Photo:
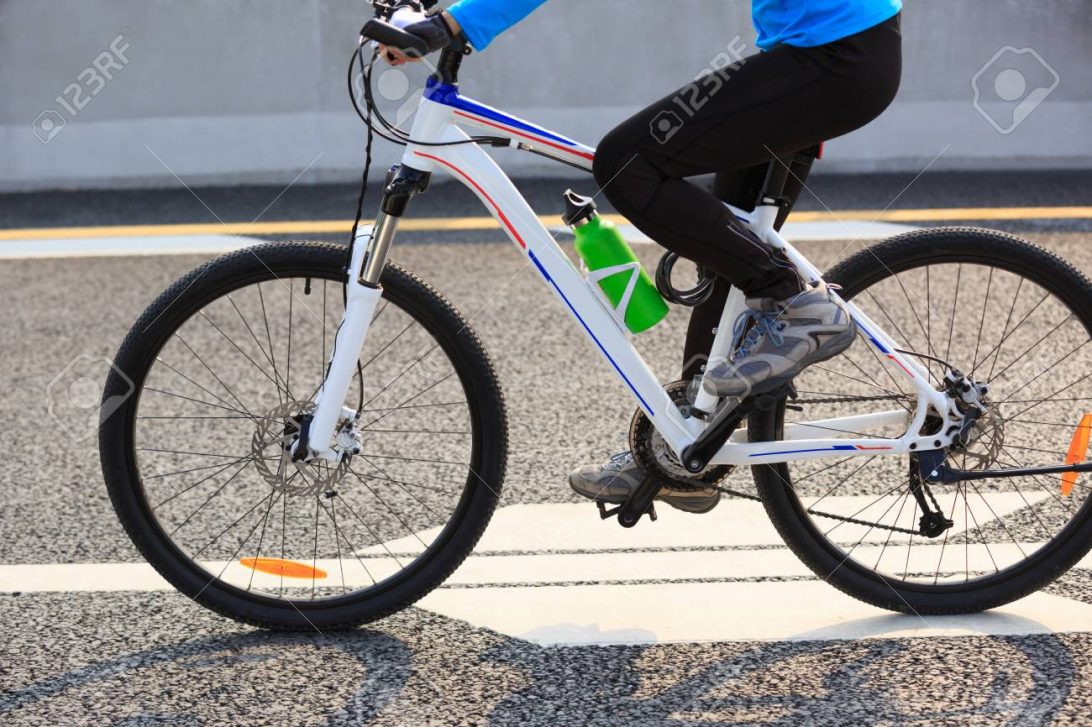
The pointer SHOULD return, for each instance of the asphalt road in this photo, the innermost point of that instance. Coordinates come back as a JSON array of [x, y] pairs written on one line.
[[131, 657]]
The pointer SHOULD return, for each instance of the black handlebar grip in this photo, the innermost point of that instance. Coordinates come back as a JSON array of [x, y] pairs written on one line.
[[387, 34]]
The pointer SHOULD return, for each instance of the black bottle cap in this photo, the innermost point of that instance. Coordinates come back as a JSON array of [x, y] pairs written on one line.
[[578, 209]]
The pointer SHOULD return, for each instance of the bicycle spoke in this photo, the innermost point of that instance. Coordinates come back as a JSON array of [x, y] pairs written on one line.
[[269, 338], [383, 502], [408, 492], [199, 386], [1032, 347], [1021, 328], [261, 539], [231, 527], [997, 349], [288, 356], [352, 548], [272, 362], [955, 305], [208, 500], [981, 321], [841, 482], [154, 390], [228, 466], [890, 533], [944, 543]]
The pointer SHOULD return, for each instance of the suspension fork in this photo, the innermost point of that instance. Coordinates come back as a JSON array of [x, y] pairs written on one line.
[[362, 294]]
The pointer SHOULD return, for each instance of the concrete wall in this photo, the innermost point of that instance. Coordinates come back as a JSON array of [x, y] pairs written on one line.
[[254, 90]]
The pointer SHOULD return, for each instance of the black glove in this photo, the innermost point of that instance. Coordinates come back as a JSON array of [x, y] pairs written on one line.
[[433, 30]]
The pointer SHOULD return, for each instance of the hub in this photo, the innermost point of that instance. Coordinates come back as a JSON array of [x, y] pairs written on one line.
[[271, 448]]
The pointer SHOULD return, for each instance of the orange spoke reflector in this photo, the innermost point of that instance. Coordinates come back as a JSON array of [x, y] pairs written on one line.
[[286, 568], [1078, 450]]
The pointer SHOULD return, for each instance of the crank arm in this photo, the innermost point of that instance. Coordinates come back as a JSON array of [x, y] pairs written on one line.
[[726, 420]]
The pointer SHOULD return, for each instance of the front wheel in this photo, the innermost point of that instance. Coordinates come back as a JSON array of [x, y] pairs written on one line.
[[1009, 315], [215, 378]]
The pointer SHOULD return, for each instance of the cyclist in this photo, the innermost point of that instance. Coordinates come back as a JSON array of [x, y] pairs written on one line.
[[827, 67]]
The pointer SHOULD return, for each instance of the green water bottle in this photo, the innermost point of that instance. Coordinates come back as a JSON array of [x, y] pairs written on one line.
[[613, 266]]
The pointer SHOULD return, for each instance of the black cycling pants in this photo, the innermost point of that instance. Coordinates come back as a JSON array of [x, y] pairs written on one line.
[[777, 102]]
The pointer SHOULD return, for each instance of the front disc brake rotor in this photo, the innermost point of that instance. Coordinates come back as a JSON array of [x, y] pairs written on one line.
[[270, 448]]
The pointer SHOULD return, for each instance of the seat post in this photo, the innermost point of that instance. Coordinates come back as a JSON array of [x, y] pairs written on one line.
[[773, 188], [797, 164]]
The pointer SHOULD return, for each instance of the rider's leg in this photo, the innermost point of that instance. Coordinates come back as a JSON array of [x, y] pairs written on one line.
[[613, 480], [773, 104], [738, 188]]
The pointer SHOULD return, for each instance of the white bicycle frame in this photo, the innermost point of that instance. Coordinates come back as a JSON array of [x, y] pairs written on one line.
[[440, 116]]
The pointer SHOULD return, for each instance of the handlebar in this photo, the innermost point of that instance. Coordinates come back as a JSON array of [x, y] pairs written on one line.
[[387, 34]]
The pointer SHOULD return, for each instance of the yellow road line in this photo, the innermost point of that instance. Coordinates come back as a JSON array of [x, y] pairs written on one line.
[[447, 224]]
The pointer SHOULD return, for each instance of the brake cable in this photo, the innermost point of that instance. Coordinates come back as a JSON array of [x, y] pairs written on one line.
[[400, 136]]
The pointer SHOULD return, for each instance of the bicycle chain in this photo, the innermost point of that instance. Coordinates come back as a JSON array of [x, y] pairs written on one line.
[[748, 496], [854, 521]]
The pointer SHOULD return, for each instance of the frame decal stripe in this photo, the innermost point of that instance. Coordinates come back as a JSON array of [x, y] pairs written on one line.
[[885, 351], [877, 344], [591, 333], [448, 95], [577, 152], [835, 448], [482, 192], [546, 275]]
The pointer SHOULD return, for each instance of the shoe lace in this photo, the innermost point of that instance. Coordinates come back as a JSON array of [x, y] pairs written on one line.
[[618, 460], [765, 323]]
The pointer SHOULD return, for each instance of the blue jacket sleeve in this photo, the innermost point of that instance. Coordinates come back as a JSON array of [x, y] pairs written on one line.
[[484, 20]]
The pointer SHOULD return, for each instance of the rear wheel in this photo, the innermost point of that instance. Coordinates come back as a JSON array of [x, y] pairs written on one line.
[[1010, 315], [214, 379]]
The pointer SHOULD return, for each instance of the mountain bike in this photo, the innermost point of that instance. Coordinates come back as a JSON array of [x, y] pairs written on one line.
[[310, 435]]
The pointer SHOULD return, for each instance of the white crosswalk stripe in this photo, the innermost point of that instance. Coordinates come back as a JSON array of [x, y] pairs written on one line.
[[556, 574]]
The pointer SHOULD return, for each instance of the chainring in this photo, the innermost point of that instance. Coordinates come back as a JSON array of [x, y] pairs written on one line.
[[655, 457]]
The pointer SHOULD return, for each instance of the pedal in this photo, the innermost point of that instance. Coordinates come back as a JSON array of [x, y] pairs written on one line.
[[637, 504], [605, 513]]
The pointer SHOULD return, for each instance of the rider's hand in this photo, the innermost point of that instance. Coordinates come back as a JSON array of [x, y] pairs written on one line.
[[437, 31]]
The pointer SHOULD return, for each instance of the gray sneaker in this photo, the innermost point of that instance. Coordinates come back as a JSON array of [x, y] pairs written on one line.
[[786, 337], [612, 481]]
